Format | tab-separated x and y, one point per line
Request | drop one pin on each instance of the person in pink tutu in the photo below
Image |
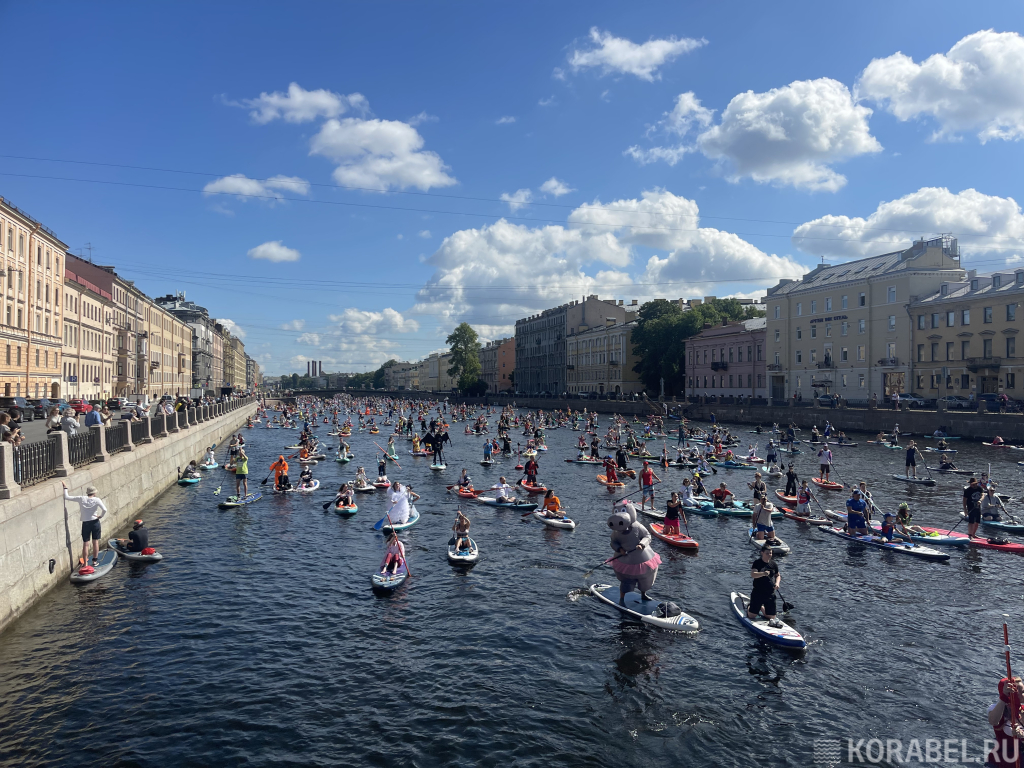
635	563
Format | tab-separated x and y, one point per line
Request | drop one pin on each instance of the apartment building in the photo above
87	355
31	279
167	342
728	359
965	336
846	329
437	378
207	371
497	362
253	378
601	359
233	359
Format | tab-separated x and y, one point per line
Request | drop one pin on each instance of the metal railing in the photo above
82	448
34	462
138	431
117	437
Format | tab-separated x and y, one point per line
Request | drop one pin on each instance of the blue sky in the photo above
523	153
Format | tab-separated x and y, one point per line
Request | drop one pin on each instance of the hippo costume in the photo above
638	569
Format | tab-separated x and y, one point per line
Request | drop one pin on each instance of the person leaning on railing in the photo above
53	420
9	432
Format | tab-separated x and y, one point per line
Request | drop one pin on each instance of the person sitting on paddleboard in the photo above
765	573
761	521
552	506
461	529
721	495
856	521
208	458
946	464
673	513
394	554
1006	717
305	477
686	494
344	497
138	537
464	481
506	494
990	505
361	478
92	510
758	486
803	500
609	470
191	471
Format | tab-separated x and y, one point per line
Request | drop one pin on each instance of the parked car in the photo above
117	403
17	407
97	405
956	402
910	400
40	407
925	402
79	405
60	402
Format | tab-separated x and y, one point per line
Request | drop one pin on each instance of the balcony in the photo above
889	362
773	367
614	362
828	362
154	364
976	364
719	365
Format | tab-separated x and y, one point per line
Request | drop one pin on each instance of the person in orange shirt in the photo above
551	506
280	469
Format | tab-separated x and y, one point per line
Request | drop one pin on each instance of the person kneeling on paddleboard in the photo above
208	458
394	554
461	529
990	505
856	523
673	513
138	537
92	511
721	496
761	521
766	575
506	494
305	477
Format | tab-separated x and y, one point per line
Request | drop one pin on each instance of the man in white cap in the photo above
92	510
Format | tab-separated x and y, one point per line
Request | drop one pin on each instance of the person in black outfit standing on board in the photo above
791	478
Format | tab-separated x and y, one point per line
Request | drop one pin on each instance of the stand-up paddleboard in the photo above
83	574
915	480
914	550
812	520
942	471
827	485
438	467
737	509
522	506
135	557
940	450
1001	525
486	462
364	488
188	481
778	548
997	544
418	453
470	494
784	636
948	437
702	509
783	497
343	459
533	489
554	522
603	480
680	540
307	489
209	466
463	556
383	523
233	501
646	611
346	511
389	582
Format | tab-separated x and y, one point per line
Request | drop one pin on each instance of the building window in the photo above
844	380
777	335
730	354
950	319
1011	381
844	354
890	350
862	300
814	356
814	331
965	350
935	351
778	360
799	333
920	353
935	319
828	329
799	356
861	353
1011	312
944	289
892	294
965	317
921	322
730	381
828	304
799	383
892	322
778	311
862	325
814	307
844	328
965	381
1011	346
974	285
844	302
949	350
799	309
861	382
986	348
986	315
758	353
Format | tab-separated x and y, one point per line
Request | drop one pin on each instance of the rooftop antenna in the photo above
88	247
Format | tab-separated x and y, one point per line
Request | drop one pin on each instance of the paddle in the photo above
786	606
388	455
586	575
388	516
272	471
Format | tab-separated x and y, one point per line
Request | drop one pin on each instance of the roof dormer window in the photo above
974	285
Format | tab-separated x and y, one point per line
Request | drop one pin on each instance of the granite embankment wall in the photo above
38	543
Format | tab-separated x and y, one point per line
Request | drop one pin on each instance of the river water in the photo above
258	641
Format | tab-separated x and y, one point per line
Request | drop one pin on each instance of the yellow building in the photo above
601	359
965	336
846	329
88	357
31	278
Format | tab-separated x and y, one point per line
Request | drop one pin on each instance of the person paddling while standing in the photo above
530	469
92	510
972	506
912	454
673	514
791	478
825	463
241	474
803	500
647	478
856	522
765	573
761	521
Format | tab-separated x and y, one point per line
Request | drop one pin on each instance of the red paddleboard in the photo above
680	540
533	488
828	486
1011	547
783	497
792	515
604	481
468	494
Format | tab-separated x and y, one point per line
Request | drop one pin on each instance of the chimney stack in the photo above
321	364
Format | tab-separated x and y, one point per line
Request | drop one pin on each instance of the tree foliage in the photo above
378	375
663	327
465	350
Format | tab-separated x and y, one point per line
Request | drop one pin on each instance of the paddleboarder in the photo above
92	509
647	478
856	522
761	521
506	494
972	506
461	529
758	486
803	500
791	478
721	495
767	577
464	481
825	463
399	501
138	537
551	507
1005	717
673	514
912	454
394	554
990	506
280	470
530	469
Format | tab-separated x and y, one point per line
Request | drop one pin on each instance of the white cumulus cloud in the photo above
555	187
379	155
791	135
506	120
274	250
618	55
518	199
983	224
232	326
670	155
271	189
364	322
301	106
425	234
978	85
313	339
294	325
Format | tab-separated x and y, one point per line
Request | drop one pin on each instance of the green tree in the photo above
378	375
663	327
295	381
465	349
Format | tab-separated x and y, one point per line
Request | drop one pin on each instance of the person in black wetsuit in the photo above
138	537
765	572
791	478
621	459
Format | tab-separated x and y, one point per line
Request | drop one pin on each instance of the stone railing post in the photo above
148	437
62	459
8	488
127	427
182	416
101	442
172	422
191	416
